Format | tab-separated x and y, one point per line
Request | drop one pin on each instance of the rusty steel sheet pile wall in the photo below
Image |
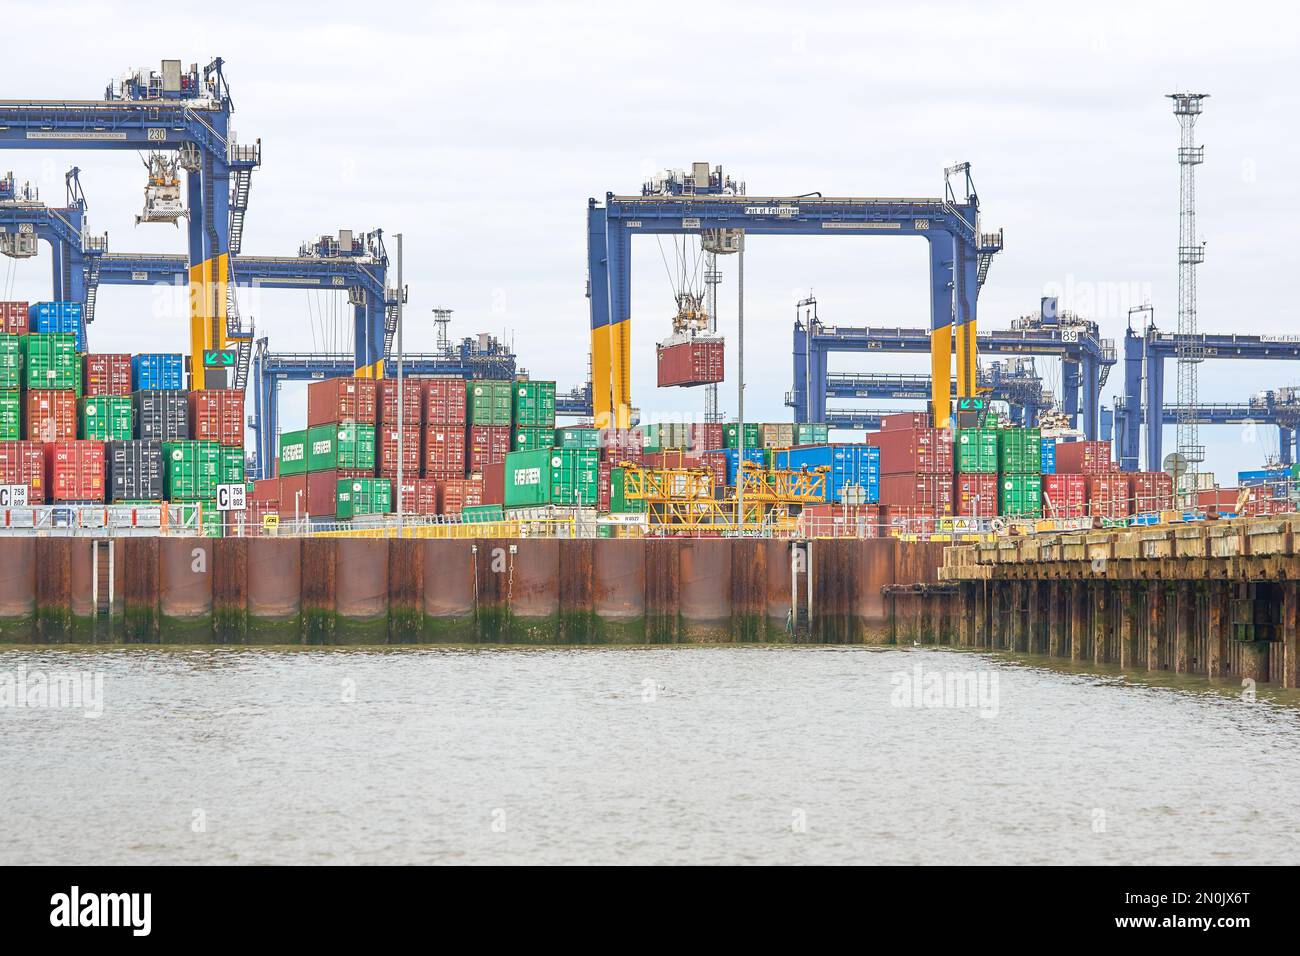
340	590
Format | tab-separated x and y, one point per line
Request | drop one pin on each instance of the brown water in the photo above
631	755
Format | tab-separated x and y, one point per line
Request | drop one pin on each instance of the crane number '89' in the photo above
1069	335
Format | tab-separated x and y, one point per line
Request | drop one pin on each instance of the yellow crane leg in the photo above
208	282
967	347
941	375
620	355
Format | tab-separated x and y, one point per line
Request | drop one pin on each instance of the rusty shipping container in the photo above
930	493
444	451
322	490
914	451
1084	458
1108	495
976	496
13	318
344	400
266	491
488	445
1065	496
697	361
217	414
106	374
456	494
1151	491
74	470
412	454
444	401
420	496
23	463
904	421
412	402
51	415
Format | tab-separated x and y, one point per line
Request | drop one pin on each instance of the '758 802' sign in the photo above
13	496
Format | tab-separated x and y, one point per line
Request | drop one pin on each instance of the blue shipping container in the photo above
733	461
849	465
1266	476
1049	456
57	318
160	371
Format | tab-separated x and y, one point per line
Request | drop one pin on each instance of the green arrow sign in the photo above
970	404
218	358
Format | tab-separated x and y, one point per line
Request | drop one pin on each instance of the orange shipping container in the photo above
51	415
444	401
444	451
412	402
1084	458
23	463
338	400
455	494
217	414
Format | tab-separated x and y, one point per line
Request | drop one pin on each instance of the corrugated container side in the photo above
695	362
106	374
1049	456
914	451
217	414
1108	495
444	451
1084	458
444	401
363	496
51	415
1065	496
11	415
23	463
293	454
533	404
413	401
161	415
976	495
905	421
75	470
134	470
456	494
488	445
13	318
320	500
158	371
344	399
412	454
932	493
1021	495
11	362
490	402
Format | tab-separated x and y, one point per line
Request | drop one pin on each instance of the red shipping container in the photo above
444	401
75	470
13	318
488	445
494	484
293	496
412	401
322	490
217	414
928	493
911	520
706	436
693	362
1065	496
905	421
51	415
106	374
714	462
603	485
1108	495
910	451
337	400
444	451
623	444
266	491
839	520
977	496
454	494
386	453
420	497
23	463
1151	491
1084	458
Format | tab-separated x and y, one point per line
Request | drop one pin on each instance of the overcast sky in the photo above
479	130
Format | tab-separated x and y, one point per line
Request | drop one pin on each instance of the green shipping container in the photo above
811	433
363	496
490	402
533	404
574	476
976	451
107	418
577	438
231	469
293	453
341	446
528	478
666	436
479	514
191	470
1020	451
1021	496
530	437
51	361
731	433
11	362
210	520
618	501
11	415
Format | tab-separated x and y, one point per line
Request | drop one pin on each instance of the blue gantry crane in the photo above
1145	352
1086	357
705	202
1015	382
173	111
